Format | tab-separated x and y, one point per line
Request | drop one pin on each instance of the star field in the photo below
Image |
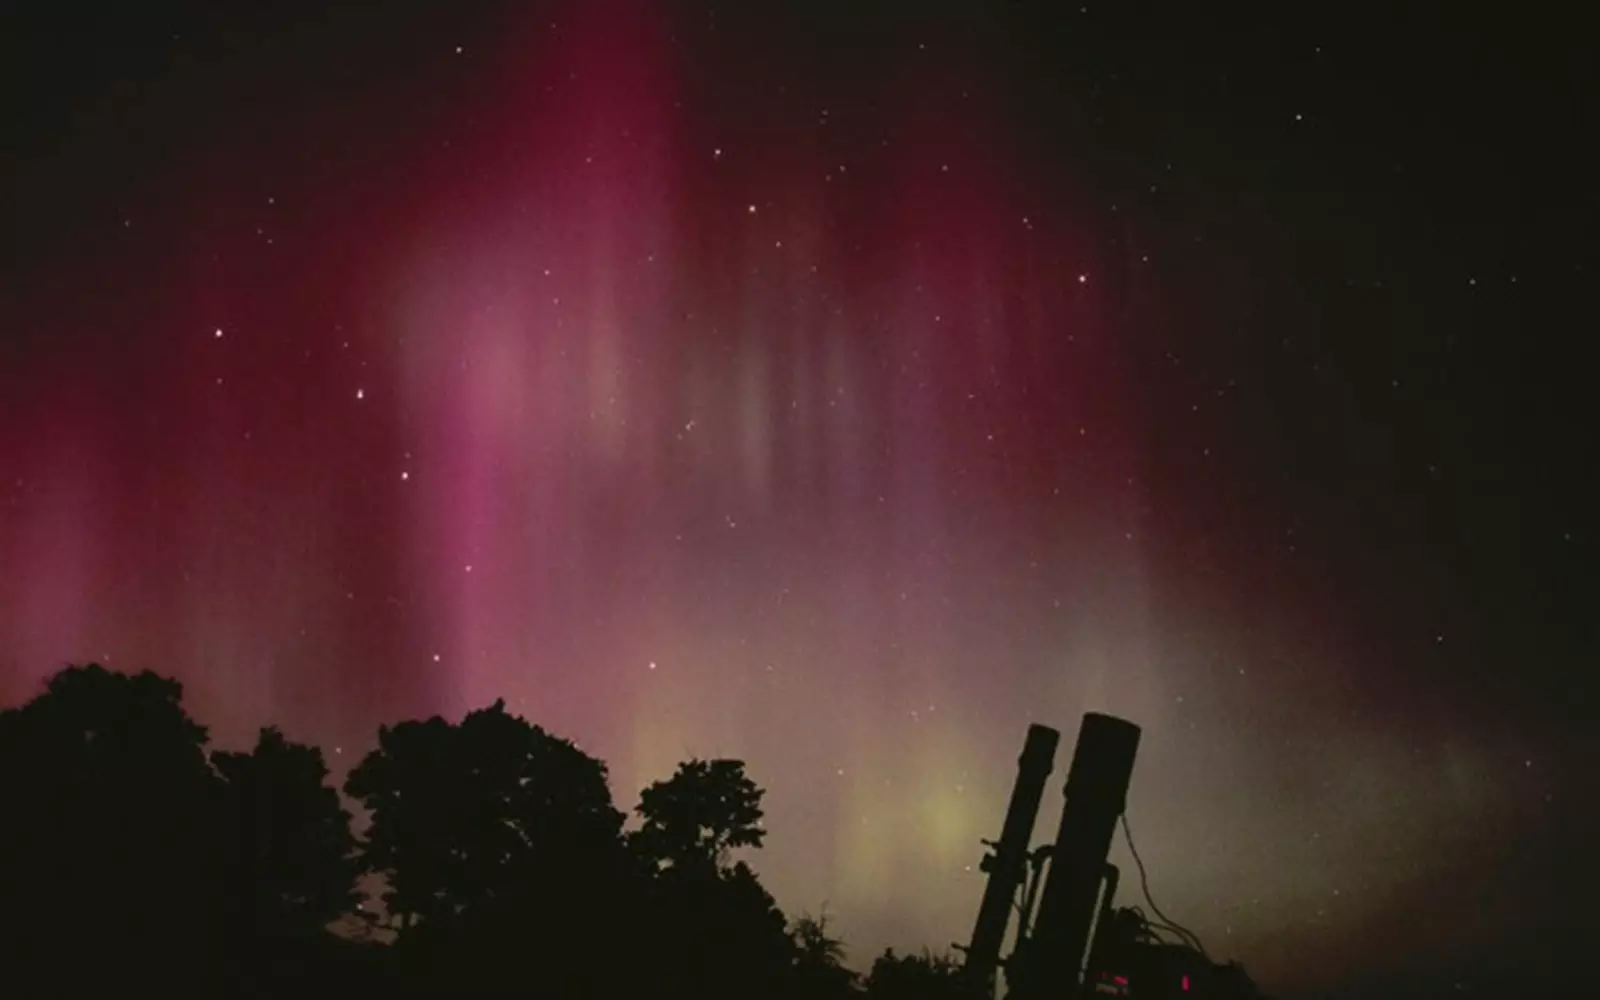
843	391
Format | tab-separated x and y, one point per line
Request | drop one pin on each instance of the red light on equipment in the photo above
1185	982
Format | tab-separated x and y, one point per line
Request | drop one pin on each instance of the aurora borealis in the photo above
840	391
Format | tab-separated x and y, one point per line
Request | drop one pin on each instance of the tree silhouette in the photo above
714	933
917	977
291	856
406	785
819	960
700	814
130	858
110	809
815	947
465	815
714	930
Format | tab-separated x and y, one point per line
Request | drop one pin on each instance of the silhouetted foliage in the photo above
815	947
131	861
110	830
290	854
491	809
917	977
710	929
697	816
720	934
819	960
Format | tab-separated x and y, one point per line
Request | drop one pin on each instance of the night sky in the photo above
842	388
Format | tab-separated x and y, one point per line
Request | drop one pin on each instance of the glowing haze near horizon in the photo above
826	430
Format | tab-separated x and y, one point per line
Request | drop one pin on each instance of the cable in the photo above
1144	931
1168	924
1151	930
1144	884
1184	937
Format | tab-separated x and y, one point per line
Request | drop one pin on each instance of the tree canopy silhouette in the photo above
713	929
290	854
715	933
819	959
926	976
467	814
699	815
110	823
130	858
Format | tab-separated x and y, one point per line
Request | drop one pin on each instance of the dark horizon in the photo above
843	391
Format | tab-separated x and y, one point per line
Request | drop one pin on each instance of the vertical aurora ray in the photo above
719	382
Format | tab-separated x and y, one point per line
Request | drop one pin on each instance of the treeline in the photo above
134	859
